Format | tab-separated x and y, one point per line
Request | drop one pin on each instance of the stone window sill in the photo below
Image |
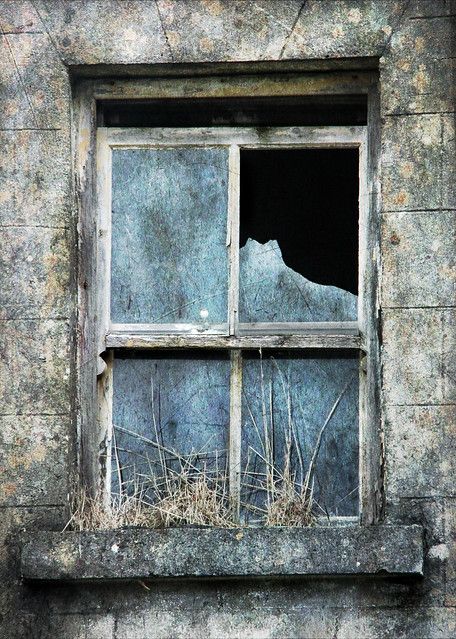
139	553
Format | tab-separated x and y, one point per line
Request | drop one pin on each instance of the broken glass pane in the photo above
169	220
170	412
270	291
299	235
290	402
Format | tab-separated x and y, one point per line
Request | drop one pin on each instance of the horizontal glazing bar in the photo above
310	340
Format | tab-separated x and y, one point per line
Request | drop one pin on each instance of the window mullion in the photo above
234	458
233	237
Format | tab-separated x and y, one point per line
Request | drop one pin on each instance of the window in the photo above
231	314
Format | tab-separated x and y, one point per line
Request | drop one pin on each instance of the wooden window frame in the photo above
100	337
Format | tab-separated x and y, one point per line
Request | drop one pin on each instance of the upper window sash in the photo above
230	333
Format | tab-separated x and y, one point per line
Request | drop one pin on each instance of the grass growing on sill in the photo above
185	490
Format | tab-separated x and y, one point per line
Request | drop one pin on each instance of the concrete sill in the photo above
140	553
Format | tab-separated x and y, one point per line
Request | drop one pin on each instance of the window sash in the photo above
232	336
235	138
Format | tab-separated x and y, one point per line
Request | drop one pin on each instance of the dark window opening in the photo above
343	110
306	200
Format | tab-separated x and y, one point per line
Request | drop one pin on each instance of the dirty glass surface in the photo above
287	400
176	409
169	220
270	291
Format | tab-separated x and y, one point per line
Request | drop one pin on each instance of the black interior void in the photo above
307	200
261	111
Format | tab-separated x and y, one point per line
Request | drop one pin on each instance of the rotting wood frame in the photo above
96	334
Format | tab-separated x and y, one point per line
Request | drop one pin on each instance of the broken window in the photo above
232	327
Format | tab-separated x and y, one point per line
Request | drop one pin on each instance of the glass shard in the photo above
270	291
290	402
169	220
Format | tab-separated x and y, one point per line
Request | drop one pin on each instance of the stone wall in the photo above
41	44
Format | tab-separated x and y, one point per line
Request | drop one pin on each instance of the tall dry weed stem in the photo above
184	490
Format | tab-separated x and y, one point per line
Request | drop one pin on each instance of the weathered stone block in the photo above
429	513
409	622
35	272
415	349
328	29
417	74
216	552
35	177
449	160
34	459
430	8
20	16
448	550
36	84
272	623
19	615
219	30
113	32
16	112
420	450
426	512
449	355
35	367
418	258
411	156
82	626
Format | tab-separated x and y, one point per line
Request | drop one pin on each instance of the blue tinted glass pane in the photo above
287	399
169	220
175	408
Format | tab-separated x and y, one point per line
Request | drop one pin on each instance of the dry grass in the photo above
186	490
290	508
90	513
187	497
195	499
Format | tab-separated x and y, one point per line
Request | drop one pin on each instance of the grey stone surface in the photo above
34	458
448	163
19	16
436	622
34	367
113	32
203	552
411	169
418	356
418	75
448	551
327	29
82	626
210	30
35	178
34	82
35	272
22	615
420	450
419	258
229	624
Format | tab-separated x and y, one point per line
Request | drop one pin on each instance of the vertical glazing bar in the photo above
235	432
233	238
366	258
103	319
103	275
105	428
366	251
